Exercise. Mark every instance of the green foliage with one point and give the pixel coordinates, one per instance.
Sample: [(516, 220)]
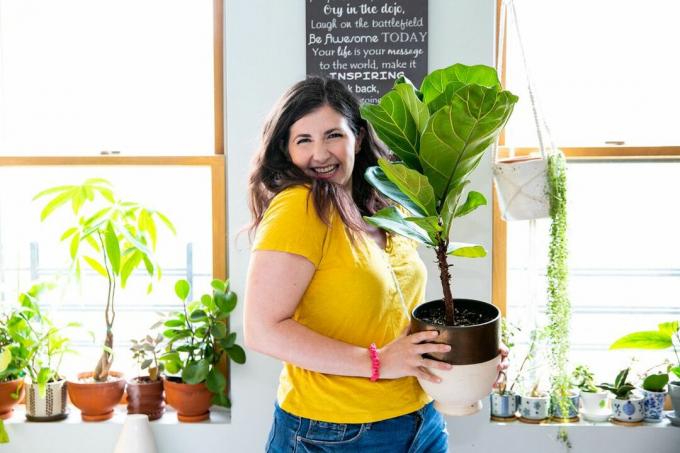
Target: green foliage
[(146, 352), (198, 336), (662, 338), (583, 378), (655, 382), (440, 133), (620, 388), (114, 237), (559, 306)]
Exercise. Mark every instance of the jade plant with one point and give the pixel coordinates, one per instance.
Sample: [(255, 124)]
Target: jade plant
[(621, 388), (667, 336), (198, 338), (114, 237), (440, 133)]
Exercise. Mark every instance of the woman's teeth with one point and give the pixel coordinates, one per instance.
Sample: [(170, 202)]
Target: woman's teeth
[(325, 170)]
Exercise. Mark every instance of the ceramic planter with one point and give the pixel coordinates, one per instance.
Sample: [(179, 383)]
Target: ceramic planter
[(631, 410), (474, 356), (7, 403), (572, 413), (50, 407), (503, 406), (191, 401), (534, 408), (653, 405), (96, 400), (595, 406), (145, 397), (674, 390), (136, 436)]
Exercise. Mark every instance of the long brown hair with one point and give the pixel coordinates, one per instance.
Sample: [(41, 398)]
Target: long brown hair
[(273, 171)]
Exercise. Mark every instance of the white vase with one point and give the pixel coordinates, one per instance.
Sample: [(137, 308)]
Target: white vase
[(595, 406), (462, 387), (136, 436)]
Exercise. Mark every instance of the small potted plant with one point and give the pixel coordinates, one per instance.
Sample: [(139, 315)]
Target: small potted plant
[(440, 132), (114, 237), (534, 406), (627, 406), (503, 400), (595, 403), (667, 336), (13, 356), (145, 392), (46, 392), (654, 391), (198, 341)]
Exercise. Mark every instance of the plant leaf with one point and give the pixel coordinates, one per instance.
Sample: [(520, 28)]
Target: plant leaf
[(94, 264), (412, 184), (112, 248), (391, 220), (655, 382), (182, 289), (378, 179), (414, 105), (166, 221), (643, 340), (216, 381), (473, 201), (5, 359), (195, 372), (435, 83), (237, 354), (676, 371), (428, 224), (57, 201), (457, 135), (395, 126), (465, 250), (669, 328), (450, 205), (218, 331)]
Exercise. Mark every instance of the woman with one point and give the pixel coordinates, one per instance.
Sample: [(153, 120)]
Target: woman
[(331, 295)]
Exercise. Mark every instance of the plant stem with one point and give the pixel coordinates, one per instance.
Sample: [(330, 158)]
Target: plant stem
[(445, 277), (101, 371)]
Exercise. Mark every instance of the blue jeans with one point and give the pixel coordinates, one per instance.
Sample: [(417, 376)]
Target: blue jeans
[(422, 431)]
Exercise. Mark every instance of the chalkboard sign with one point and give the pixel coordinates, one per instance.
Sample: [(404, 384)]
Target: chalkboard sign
[(367, 44)]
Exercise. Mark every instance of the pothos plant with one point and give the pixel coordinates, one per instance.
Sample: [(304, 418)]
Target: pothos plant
[(198, 338), (114, 237), (439, 133), (559, 306)]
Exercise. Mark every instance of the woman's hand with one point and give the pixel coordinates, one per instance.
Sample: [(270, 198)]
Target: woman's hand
[(403, 356), (503, 351)]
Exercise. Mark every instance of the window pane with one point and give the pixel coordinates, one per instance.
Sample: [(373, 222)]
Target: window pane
[(78, 77), (32, 250), (624, 260), (604, 71)]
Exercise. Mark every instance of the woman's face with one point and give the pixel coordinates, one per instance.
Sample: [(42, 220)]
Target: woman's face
[(323, 146)]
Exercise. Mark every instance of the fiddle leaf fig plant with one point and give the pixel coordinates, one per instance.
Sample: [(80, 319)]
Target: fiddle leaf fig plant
[(666, 336), (114, 237), (198, 338), (440, 133)]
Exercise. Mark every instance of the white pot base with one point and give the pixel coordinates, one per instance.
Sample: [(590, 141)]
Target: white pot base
[(458, 409)]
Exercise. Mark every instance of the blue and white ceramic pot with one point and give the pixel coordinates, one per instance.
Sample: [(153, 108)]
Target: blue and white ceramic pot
[(653, 403), (503, 405), (534, 407), (674, 390), (572, 408), (630, 410)]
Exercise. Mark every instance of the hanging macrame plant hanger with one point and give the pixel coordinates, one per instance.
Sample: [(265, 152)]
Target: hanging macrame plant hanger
[(522, 182)]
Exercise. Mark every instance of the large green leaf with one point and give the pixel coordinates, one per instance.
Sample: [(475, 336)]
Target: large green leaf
[(5, 359), (655, 382), (378, 179), (414, 105), (395, 126), (412, 184), (237, 354), (435, 84), (195, 372), (391, 220), (473, 201), (94, 264), (465, 250), (668, 327), (112, 248), (429, 224), (182, 289), (457, 135), (450, 205), (643, 340)]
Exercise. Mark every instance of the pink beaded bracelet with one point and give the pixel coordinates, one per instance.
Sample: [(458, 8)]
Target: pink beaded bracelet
[(375, 362)]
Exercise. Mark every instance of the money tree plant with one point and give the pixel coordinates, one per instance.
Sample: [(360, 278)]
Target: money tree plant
[(440, 133), (114, 237)]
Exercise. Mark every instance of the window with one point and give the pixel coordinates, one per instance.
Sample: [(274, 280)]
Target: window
[(125, 91), (598, 87)]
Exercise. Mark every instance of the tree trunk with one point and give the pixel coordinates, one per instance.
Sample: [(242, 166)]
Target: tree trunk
[(101, 372), (445, 278)]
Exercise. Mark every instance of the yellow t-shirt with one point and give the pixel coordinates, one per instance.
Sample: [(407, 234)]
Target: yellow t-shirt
[(352, 297)]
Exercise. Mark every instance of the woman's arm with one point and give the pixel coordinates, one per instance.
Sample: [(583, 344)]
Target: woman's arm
[(276, 282)]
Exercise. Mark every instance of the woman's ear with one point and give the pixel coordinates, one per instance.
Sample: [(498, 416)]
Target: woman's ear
[(360, 138)]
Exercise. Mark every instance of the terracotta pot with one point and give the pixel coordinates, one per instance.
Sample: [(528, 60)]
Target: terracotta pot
[(474, 356), (192, 401), (7, 403), (50, 407), (96, 400), (145, 397)]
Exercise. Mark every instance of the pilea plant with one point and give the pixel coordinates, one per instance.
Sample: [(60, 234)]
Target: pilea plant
[(198, 337), (440, 133), (114, 237), (559, 306)]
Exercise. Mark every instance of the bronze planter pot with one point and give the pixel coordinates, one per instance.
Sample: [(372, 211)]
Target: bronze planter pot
[(192, 401), (96, 400), (7, 403), (145, 397), (474, 354)]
